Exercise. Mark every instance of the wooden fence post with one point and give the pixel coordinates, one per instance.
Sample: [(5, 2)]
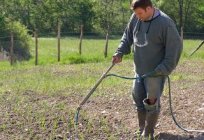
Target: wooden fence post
[(58, 39), (11, 49), (81, 37), (36, 47), (106, 46)]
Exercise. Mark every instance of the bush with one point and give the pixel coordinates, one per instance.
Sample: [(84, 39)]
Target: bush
[(21, 38)]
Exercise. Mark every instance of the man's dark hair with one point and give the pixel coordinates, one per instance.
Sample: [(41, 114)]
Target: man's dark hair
[(141, 4)]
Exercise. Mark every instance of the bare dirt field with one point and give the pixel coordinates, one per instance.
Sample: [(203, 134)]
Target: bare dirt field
[(187, 102), (108, 116)]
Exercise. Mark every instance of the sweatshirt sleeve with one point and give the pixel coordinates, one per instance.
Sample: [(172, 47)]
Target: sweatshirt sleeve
[(173, 49), (127, 39)]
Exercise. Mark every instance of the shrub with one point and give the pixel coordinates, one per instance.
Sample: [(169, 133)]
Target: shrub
[(21, 38)]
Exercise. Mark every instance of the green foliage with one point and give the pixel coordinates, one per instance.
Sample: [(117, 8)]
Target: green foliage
[(77, 59), (111, 16), (192, 13), (45, 15), (84, 14), (97, 16), (21, 38)]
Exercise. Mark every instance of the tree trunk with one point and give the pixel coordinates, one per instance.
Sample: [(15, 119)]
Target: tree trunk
[(181, 18), (123, 15), (188, 4)]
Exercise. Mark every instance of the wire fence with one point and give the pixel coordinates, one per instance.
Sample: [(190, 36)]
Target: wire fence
[(187, 35), (9, 43), (193, 35)]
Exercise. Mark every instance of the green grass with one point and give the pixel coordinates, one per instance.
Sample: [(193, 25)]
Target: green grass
[(92, 50), (51, 76), (190, 46), (35, 100)]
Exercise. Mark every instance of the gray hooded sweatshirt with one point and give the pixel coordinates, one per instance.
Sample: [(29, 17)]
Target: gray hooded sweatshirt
[(156, 43)]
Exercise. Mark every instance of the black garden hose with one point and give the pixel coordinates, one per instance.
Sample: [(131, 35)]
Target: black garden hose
[(105, 75)]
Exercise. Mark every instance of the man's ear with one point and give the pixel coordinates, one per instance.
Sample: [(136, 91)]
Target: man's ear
[(148, 9)]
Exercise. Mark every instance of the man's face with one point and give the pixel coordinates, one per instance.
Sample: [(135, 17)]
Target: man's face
[(142, 14)]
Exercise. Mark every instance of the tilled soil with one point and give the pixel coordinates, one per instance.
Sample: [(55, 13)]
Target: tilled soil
[(187, 103), (188, 111), (108, 116)]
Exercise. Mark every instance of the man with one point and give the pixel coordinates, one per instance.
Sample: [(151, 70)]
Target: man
[(157, 48)]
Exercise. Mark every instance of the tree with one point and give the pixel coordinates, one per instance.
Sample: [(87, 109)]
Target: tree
[(21, 39), (186, 13), (108, 15), (100, 16)]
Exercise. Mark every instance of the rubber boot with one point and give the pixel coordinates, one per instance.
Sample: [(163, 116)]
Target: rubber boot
[(141, 120), (141, 115), (152, 115), (151, 121)]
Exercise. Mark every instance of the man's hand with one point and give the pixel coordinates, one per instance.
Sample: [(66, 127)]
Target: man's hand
[(116, 59)]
